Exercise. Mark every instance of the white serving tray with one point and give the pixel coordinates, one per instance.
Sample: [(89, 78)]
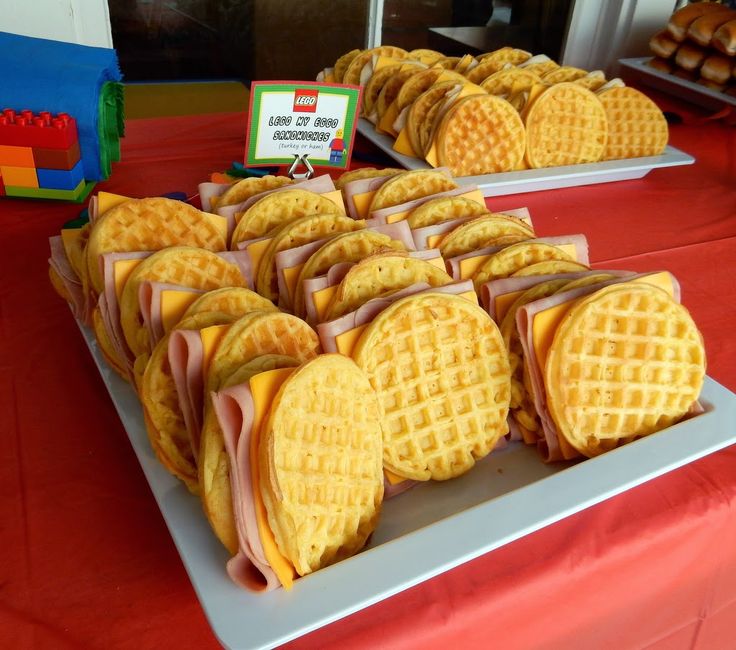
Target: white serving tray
[(681, 88), (422, 533), (550, 178)]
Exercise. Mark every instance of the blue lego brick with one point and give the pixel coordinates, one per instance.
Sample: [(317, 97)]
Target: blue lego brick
[(61, 179)]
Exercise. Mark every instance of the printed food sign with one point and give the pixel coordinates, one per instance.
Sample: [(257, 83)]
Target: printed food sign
[(290, 118)]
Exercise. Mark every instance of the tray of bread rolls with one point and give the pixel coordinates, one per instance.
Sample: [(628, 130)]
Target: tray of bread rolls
[(506, 120), (337, 390), (694, 56)]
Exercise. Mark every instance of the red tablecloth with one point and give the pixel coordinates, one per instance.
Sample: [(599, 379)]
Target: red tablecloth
[(87, 562)]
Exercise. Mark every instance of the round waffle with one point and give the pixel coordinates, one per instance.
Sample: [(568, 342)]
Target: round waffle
[(440, 369), (543, 68), (482, 232), (427, 56), (230, 300), (505, 55), (195, 268), (149, 225), (418, 83), (248, 187), (636, 126), (379, 275), (254, 335), (164, 420), (565, 125), (484, 69), (592, 81), (350, 247), (352, 74), (480, 134), (364, 172), (296, 233), (105, 345), (341, 65), (509, 81), (564, 73), (393, 85), (276, 209), (372, 89), (549, 267), (445, 208), (320, 463), (625, 362), (447, 62), (417, 116), (408, 186), (509, 260)]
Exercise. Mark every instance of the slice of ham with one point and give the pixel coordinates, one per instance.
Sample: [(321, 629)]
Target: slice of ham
[(60, 264), (242, 260), (383, 214), (249, 568), (149, 298), (319, 185), (493, 289), (549, 447), (209, 190), (186, 358), (361, 186)]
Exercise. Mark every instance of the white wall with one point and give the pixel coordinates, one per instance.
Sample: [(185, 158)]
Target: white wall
[(86, 22)]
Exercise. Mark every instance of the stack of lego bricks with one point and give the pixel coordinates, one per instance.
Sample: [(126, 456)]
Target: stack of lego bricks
[(40, 156)]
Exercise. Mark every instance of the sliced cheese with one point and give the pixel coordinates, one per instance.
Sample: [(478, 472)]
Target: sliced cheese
[(362, 203), (346, 340), (291, 275), (263, 388), (173, 305), (403, 144), (121, 271), (210, 337), (107, 200), (503, 303), (322, 298), (336, 197), (256, 250)]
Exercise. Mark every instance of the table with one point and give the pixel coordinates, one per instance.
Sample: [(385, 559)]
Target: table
[(88, 563)]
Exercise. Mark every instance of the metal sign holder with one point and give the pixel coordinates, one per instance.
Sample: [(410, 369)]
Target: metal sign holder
[(300, 159)]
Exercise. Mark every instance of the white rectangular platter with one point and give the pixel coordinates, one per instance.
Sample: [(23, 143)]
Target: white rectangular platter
[(423, 532), (550, 178), (681, 88)]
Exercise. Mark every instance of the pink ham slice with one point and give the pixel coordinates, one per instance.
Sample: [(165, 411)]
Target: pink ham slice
[(549, 447), (361, 186), (60, 264), (207, 191), (149, 298), (249, 568)]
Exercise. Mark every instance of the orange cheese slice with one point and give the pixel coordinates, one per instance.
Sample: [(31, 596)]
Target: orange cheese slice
[(210, 337), (321, 300), (121, 271), (336, 197), (256, 251), (362, 203), (107, 200), (264, 387), (291, 275), (403, 144), (173, 305)]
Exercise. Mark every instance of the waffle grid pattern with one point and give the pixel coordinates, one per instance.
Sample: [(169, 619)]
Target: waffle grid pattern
[(236, 301), (247, 187), (509, 260), (627, 362), (352, 74), (391, 89), (442, 377), (276, 209), (373, 88), (149, 224), (483, 232), (444, 209), (566, 125), (481, 134), (409, 186), (419, 110), (187, 267), (325, 464), (504, 82), (636, 126)]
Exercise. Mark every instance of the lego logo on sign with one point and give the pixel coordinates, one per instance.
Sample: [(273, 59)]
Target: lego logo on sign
[(305, 101)]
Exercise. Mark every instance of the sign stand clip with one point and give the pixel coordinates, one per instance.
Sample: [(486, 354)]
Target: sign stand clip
[(300, 159)]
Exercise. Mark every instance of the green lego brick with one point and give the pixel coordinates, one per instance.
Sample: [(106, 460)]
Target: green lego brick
[(77, 195)]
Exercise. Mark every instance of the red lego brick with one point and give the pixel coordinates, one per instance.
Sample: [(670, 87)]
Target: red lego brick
[(56, 158), (25, 129)]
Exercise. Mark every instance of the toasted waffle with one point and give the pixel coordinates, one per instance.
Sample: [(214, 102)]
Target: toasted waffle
[(296, 233), (350, 247), (352, 73), (378, 275), (636, 126), (564, 73), (509, 81), (417, 118), (446, 208), (440, 369), (509, 260), (427, 56), (254, 335), (592, 81), (482, 232), (195, 268), (549, 267), (480, 134), (410, 185), (373, 88), (276, 209), (505, 55), (150, 225), (249, 187), (625, 362), (320, 463), (342, 63), (237, 301), (391, 88), (364, 172), (164, 420), (565, 125)]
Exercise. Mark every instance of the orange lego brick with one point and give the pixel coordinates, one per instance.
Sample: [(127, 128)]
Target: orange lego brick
[(19, 176), (16, 156)]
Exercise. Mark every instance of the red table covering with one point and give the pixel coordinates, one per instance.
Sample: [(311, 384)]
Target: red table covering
[(86, 560)]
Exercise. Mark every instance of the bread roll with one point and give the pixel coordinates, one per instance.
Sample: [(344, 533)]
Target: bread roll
[(716, 68), (724, 39), (662, 45), (689, 56), (701, 30), (681, 19)]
